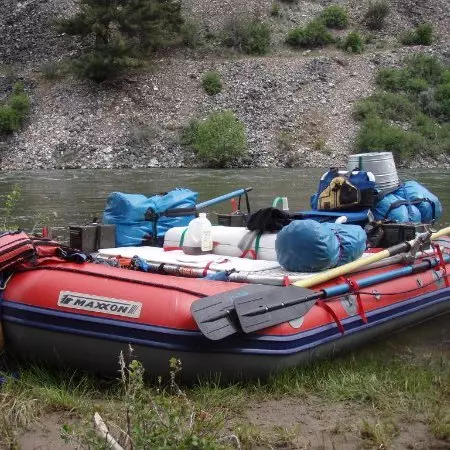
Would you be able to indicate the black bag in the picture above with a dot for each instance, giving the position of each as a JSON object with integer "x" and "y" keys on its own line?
{"x": 268, "y": 219}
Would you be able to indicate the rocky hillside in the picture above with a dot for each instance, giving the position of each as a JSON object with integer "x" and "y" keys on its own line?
{"x": 297, "y": 105}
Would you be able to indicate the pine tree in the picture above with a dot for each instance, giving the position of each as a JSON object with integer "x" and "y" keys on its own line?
{"x": 118, "y": 33}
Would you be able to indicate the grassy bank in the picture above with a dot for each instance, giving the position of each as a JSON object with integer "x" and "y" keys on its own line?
{"x": 373, "y": 399}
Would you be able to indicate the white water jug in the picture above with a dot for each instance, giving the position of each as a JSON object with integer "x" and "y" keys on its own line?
{"x": 198, "y": 238}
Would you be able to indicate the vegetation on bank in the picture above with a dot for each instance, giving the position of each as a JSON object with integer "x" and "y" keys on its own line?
{"x": 14, "y": 110}
{"x": 387, "y": 388}
{"x": 218, "y": 140}
{"x": 410, "y": 113}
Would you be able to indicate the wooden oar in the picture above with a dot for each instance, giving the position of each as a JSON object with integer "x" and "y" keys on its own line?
{"x": 347, "y": 268}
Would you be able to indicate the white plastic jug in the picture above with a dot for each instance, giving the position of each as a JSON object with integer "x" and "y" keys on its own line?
{"x": 198, "y": 238}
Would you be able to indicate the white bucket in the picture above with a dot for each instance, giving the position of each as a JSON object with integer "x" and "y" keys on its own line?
{"x": 381, "y": 164}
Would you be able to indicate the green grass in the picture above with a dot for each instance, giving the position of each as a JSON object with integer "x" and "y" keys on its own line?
{"x": 381, "y": 387}
{"x": 410, "y": 113}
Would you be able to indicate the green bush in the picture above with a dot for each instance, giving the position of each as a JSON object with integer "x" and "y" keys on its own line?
{"x": 15, "y": 109}
{"x": 335, "y": 16}
{"x": 211, "y": 83}
{"x": 217, "y": 140}
{"x": 376, "y": 14}
{"x": 418, "y": 96}
{"x": 421, "y": 35}
{"x": 423, "y": 66}
{"x": 314, "y": 34}
{"x": 442, "y": 95}
{"x": 377, "y": 135}
{"x": 353, "y": 43}
{"x": 386, "y": 105}
{"x": 251, "y": 37}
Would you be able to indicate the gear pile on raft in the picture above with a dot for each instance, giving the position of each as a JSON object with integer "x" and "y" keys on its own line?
{"x": 258, "y": 292}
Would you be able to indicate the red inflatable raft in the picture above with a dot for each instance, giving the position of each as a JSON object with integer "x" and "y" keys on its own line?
{"x": 83, "y": 314}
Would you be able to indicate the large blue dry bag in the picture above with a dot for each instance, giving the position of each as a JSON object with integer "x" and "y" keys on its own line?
{"x": 129, "y": 212}
{"x": 425, "y": 201}
{"x": 410, "y": 202}
{"x": 310, "y": 246}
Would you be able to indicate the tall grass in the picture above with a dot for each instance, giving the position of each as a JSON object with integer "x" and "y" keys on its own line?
{"x": 383, "y": 387}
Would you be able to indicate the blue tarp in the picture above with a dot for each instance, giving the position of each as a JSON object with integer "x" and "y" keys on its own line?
{"x": 127, "y": 212}
{"x": 310, "y": 246}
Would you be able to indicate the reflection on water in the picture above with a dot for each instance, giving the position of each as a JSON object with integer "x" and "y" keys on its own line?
{"x": 67, "y": 197}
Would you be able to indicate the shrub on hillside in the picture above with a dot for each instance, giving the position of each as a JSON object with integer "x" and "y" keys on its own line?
{"x": 421, "y": 35}
{"x": 251, "y": 37}
{"x": 211, "y": 83}
{"x": 353, "y": 43}
{"x": 217, "y": 140}
{"x": 386, "y": 105}
{"x": 335, "y": 16}
{"x": 425, "y": 66}
{"x": 15, "y": 109}
{"x": 118, "y": 34}
{"x": 191, "y": 34}
{"x": 417, "y": 96}
{"x": 314, "y": 34}
{"x": 376, "y": 14}
{"x": 377, "y": 135}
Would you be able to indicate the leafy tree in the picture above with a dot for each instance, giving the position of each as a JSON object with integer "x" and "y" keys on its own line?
{"x": 120, "y": 32}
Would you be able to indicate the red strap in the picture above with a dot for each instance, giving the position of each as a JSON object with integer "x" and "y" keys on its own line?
{"x": 442, "y": 265}
{"x": 205, "y": 270}
{"x": 286, "y": 281}
{"x": 354, "y": 289}
{"x": 249, "y": 251}
{"x": 208, "y": 265}
{"x": 330, "y": 311}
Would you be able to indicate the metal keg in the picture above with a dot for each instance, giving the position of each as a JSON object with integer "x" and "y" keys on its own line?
{"x": 382, "y": 165}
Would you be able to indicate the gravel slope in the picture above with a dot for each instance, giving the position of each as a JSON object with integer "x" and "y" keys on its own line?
{"x": 296, "y": 105}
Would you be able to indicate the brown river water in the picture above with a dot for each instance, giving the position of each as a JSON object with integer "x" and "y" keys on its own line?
{"x": 60, "y": 198}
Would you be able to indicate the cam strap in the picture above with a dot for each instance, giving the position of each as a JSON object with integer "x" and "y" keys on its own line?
{"x": 331, "y": 312}
{"x": 441, "y": 264}
{"x": 354, "y": 289}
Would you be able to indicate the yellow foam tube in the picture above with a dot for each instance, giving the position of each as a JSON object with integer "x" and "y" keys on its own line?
{"x": 346, "y": 268}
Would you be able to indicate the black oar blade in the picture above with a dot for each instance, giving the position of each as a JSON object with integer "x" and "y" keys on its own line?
{"x": 273, "y": 306}
{"x": 215, "y": 315}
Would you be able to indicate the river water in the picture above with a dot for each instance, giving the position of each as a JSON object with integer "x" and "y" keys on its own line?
{"x": 60, "y": 198}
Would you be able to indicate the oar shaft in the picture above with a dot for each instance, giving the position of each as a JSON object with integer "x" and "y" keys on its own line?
{"x": 344, "y": 288}
{"x": 222, "y": 198}
{"x": 347, "y": 268}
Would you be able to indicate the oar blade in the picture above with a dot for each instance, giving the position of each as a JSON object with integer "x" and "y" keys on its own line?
{"x": 215, "y": 315}
{"x": 273, "y": 306}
